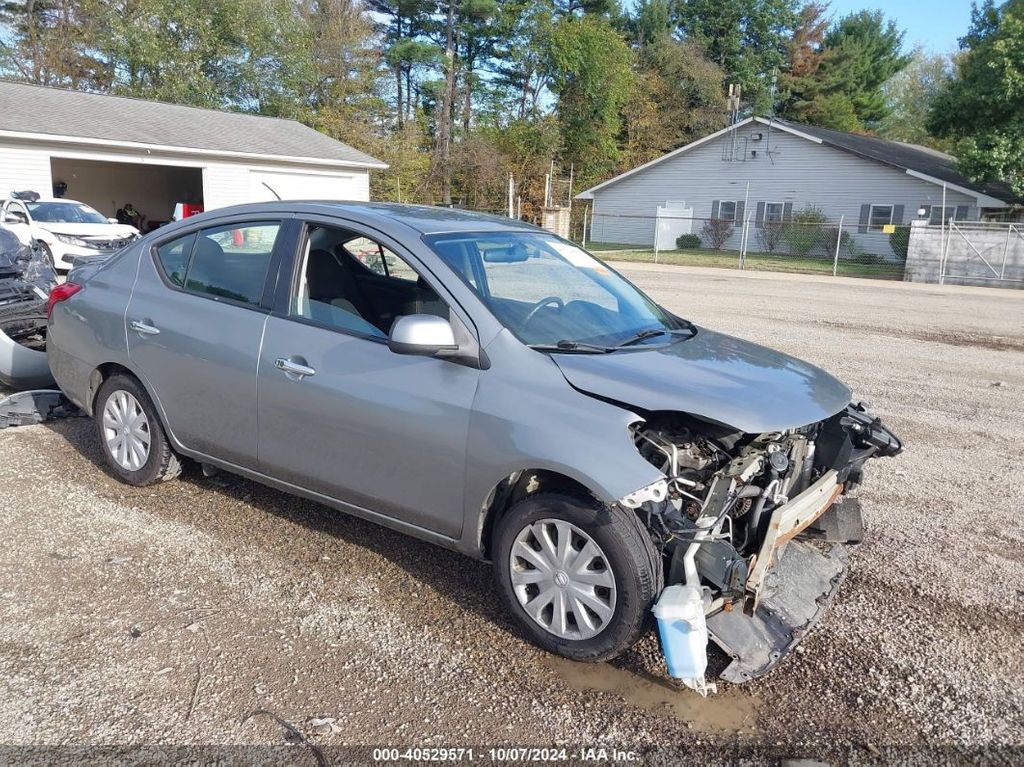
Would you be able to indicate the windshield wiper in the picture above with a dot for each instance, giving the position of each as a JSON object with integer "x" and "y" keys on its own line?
{"x": 572, "y": 346}
{"x": 643, "y": 335}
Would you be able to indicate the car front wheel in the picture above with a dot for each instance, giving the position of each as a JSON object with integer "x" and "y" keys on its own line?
{"x": 130, "y": 433}
{"x": 579, "y": 577}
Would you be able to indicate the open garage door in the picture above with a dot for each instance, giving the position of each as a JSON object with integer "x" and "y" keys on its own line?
{"x": 308, "y": 186}
{"x": 154, "y": 190}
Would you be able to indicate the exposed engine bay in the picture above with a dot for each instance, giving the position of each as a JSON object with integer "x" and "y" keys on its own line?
{"x": 26, "y": 277}
{"x": 736, "y": 517}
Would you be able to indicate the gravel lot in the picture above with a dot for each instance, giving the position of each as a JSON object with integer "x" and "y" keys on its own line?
{"x": 167, "y": 615}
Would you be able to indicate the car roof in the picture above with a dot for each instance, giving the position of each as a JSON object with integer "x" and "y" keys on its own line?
{"x": 49, "y": 199}
{"x": 425, "y": 219}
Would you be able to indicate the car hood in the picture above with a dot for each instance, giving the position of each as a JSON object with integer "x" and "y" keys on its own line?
{"x": 113, "y": 231}
{"x": 715, "y": 377}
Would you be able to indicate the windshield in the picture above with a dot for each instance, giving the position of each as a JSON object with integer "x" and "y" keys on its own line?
{"x": 549, "y": 292}
{"x": 65, "y": 213}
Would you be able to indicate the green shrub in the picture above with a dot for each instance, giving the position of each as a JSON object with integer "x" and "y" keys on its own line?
{"x": 687, "y": 242}
{"x": 805, "y": 231}
{"x": 899, "y": 241}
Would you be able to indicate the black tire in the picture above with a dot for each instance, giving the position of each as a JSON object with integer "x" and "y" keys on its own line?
{"x": 163, "y": 463}
{"x": 631, "y": 555}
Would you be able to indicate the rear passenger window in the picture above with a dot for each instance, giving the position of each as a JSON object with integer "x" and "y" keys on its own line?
{"x": 232, "y": 261}
{"x": 173, "y": 257}
{"x": 379, "y": 259}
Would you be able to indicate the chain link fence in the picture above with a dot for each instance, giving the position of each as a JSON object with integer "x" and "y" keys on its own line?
{"x": 815, "y": 247}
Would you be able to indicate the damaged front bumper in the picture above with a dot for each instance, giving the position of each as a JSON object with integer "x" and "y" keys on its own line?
{"x": 757, "y": 524}
{"x": 26, "y": 278}
{"x": 797, "y": 592}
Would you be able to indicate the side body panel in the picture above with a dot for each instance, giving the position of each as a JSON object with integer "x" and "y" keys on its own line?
{"x": 88, "y": 330}
{"x": 201, "y": 366}
{"x": 372, "y": 428}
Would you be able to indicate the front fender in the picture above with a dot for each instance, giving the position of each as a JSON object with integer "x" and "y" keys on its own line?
{"x": 527, "y": 416}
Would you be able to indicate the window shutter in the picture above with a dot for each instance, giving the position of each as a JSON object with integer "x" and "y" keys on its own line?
{"x": 961, "y": 213}
{"x": 715, "y": 207}
{"x": 740, "y": 211}
{"x": 760, "y": 215}
{"x": 865, "y": 218}
{"x": 787, "y": 211}
{"x": 897, "y": 214}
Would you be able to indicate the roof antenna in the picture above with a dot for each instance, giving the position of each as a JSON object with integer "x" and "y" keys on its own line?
{"x": 268, "y": 186}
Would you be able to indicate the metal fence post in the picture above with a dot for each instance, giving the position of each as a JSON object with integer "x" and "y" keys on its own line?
{"x": 839, "y": 239}
{"x": 944, "y": 253}
{"x": 657, "y": 231}
{"x": 744, "y": 236}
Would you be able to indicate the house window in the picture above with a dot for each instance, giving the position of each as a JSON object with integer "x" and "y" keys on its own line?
{"x": 938, "y": 214}
{"x": 880, "y": 215}
{"x": 773, "y": 211}
{"x": 727, "y": 210}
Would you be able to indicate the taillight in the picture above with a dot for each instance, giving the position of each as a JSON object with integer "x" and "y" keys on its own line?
{"x": 61, "y": 293}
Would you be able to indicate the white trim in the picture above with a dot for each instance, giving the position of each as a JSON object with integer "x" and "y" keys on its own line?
{"x": 45, "y": 138}
{"x": 984, "y": 201}
{"x": 764, "y": 212}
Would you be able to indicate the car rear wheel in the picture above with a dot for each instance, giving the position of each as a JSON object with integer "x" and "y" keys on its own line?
{"x": 130, "y": 433}
{"x": 578, "y": 576}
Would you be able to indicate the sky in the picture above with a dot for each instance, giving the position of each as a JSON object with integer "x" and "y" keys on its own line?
{"x": 936, "y": 25}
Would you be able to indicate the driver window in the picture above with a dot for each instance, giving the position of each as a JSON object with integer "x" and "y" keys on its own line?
{"x": 354, "y": 284}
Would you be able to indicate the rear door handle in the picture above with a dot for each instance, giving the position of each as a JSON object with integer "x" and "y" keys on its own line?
{"x": 294, "y": 368}
{"x": 145, "y": 329}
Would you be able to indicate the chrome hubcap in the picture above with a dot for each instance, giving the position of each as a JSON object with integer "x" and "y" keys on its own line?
{"x": 562, "y": 579}
{"x": 126, "y": 431}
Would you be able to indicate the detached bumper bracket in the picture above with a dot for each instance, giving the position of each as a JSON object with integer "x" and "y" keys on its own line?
{"x": 797, "y": 592}
{"x": 37, "y": 406}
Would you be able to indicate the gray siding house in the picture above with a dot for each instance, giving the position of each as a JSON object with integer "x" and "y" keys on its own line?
{"x": 762, "y": 170}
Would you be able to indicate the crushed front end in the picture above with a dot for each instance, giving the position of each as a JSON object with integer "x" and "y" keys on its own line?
{"x": 26, "y": 277}
{"x": 755, "y": 523}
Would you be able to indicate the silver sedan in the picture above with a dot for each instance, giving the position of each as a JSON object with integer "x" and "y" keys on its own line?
{"x": 483, "y": 385}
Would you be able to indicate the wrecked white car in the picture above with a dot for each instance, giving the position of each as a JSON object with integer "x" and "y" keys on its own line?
{"x": 26, "y": 277}
{"x": 484, "y": 385}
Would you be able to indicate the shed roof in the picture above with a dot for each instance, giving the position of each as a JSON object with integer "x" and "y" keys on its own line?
{"x": 68, "y": 114}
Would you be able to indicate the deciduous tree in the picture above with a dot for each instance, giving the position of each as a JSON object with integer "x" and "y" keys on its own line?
{"x": 981, "y": 108}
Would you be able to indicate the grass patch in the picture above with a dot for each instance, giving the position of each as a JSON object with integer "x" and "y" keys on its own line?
{"x": 765, "y": 262}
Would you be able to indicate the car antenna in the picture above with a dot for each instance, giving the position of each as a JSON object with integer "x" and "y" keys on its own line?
{"x": 268, "y": 186}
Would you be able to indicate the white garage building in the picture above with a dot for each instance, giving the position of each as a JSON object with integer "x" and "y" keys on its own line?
{"x": 111, "y": 150}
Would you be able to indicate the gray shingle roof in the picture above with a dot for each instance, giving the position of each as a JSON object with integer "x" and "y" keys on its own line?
{"x": 930, "y": 162}
{"x": 53, "y": 111}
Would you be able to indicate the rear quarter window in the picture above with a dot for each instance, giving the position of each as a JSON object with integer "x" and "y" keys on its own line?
{"x": 173, "y": 258}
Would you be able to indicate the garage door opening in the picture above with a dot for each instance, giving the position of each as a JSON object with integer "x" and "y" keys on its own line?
{"x": 153, "y": 190}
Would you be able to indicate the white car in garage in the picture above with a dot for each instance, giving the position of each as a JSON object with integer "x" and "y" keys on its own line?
{"x": 66, "y": 229}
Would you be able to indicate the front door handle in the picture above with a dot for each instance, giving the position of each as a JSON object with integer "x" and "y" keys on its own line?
{"x": 144, "y": 328}
{"x": 294, "y": 368}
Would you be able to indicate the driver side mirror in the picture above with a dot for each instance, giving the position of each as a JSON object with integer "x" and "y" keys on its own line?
{"x": 15, "y": 217}
{"x": 424, "y": 335}
{"x": 112, "y": 220}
